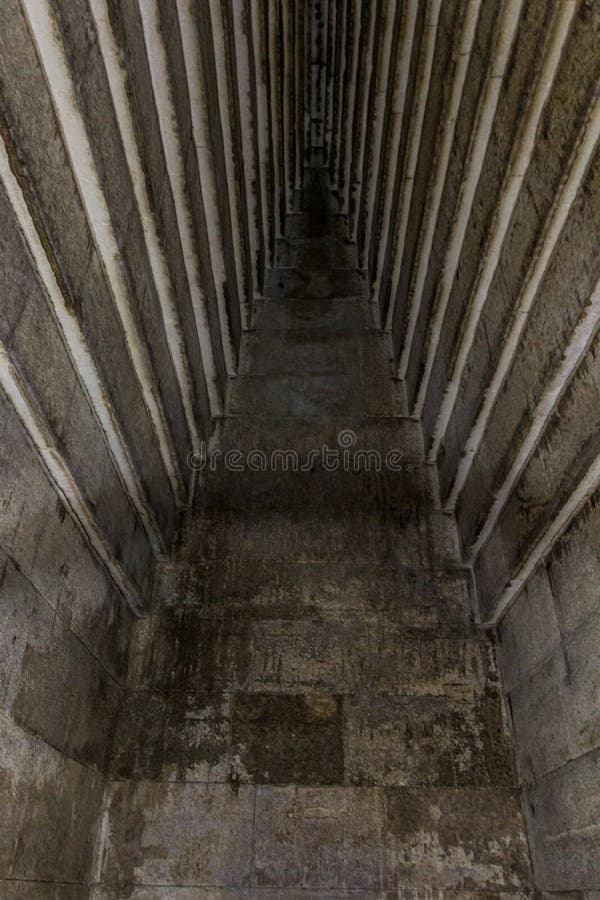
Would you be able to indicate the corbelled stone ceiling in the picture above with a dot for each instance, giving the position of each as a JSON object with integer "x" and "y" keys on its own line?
{"x": 170, "y": 171}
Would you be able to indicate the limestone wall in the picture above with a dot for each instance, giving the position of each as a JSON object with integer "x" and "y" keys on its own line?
{"x": 151, "y": 160}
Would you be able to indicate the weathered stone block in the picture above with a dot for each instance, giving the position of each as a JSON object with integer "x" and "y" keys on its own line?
{"x": 408, "y": 537}
{"x": 164, "y": 892}
{"x": 318, "y": 838}
{"x": 183, "y": 650}
{"x": 529, "y": 631}
{"x": 289, "y": 739}
{"x": 40, "y": 890}
{"x": 563, "y": 813}
{"x": 175, "y": 736}
{"x": 333, "y": 315}
{"x": 50, "y": 806}
{"x": 179, "y": 834}
{"x": 293, "y": 657}
{"x": 441, "y": 741}
{"x": 465, "y": 839}
{"x": 52, "y": 685}
{"x": 413, "y": 598}
{"x": 556, "y": 712}
{"x": 574, "y": 567}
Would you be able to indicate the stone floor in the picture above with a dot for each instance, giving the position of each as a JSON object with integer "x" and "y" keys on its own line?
{"x": 312, "y": 713}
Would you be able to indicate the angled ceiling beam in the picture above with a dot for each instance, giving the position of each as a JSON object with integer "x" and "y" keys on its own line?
{"x": 62, "y": 478}
{"x": 579, "y": 164}
{"x": 437, "y": 179}
{"x": 61, "y": 89}
{"x": 520, "y": 159}
{"x": 392, "y": 155}
{"x": 412, "y": 156}
{"x": 376, "y": 170}
{"x": 83, "y": 364}
{"x": 192, "y": 56}
{"x": 486, "y": 113}
{"x": 225, "y": 114}
{"x": 115, "y": 73}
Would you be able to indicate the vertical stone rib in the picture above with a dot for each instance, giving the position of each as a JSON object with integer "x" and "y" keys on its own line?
{"x": 82, "y": 360}
{"x": 350, "y": 104}
{"x": 361, "y": 125}
{"x": 262, "y": 120}
{"x": 436, "y": 182}
{"x": 175, "y": 172}
{"x": 477, "y": 151}
{"x": 52, "y": 58}
{"x": 391, "y": 159}
{"x": 375, "y": 162}
{"x": 574, "y": 351}
{"x": 225, "y": 103}
{"x": 520, "y": 158}
{"x": 192, "y": 54}
{"x": 338, "y": 104}
{"x": 330, "y": 81}
{"x": 308, "y": 26}
{"x": 287, "y": 13}
{"x": 62, "y": 478}
{"x": 318, "y": 75}
{"x": 273, "y": 56}
{"x": 245, "y": 80}
{"x": 118, "y": 88}
{"x": 299, "y": 92}
{"x": 586, "y": 487}
{"x": 415, "y": 127}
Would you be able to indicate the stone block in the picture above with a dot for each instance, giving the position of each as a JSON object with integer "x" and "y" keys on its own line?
{"x": 529, "y": 631}
{"x": 383, "y": 434}
{"x": 543, "y": 718}
{"x": 289, "y": 739}
{"x": 296, "y": 395}
{"x": 52, "y": 685}
{"x": 315, "y": 253}
{"x": 563, "y": 813}
{"x": 300, "y": 226}
{"x": 574, "y": 567}
{"x": 319, "y": 839}
{"x": 331, "y": 315}
{"x": 348, "y": 657}
{"x": 437, "y": 741}
{"x": 183, "y": 650}
{"x": 188, "y": 835}
{"x": 413, "y": 598}
{"x": 410, "y": 537}
{"x": 464, "y": 839}
{"x": 164, "y": 892}
{"x": 312, "y": 352}
{"x": 290, "y": 482}
{"x": 50, "y": 806}
{"x": 174, "y": 737}
{"x": 48, "y": 547}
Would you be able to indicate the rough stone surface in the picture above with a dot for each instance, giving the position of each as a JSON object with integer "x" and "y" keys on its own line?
{"x": 311, "y": 711}
{"x": 548, "y": 657}
{"x": 307, "y": 710}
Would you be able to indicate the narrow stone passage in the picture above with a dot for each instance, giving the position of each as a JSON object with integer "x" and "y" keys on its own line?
{"x": 312, "y": 713}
